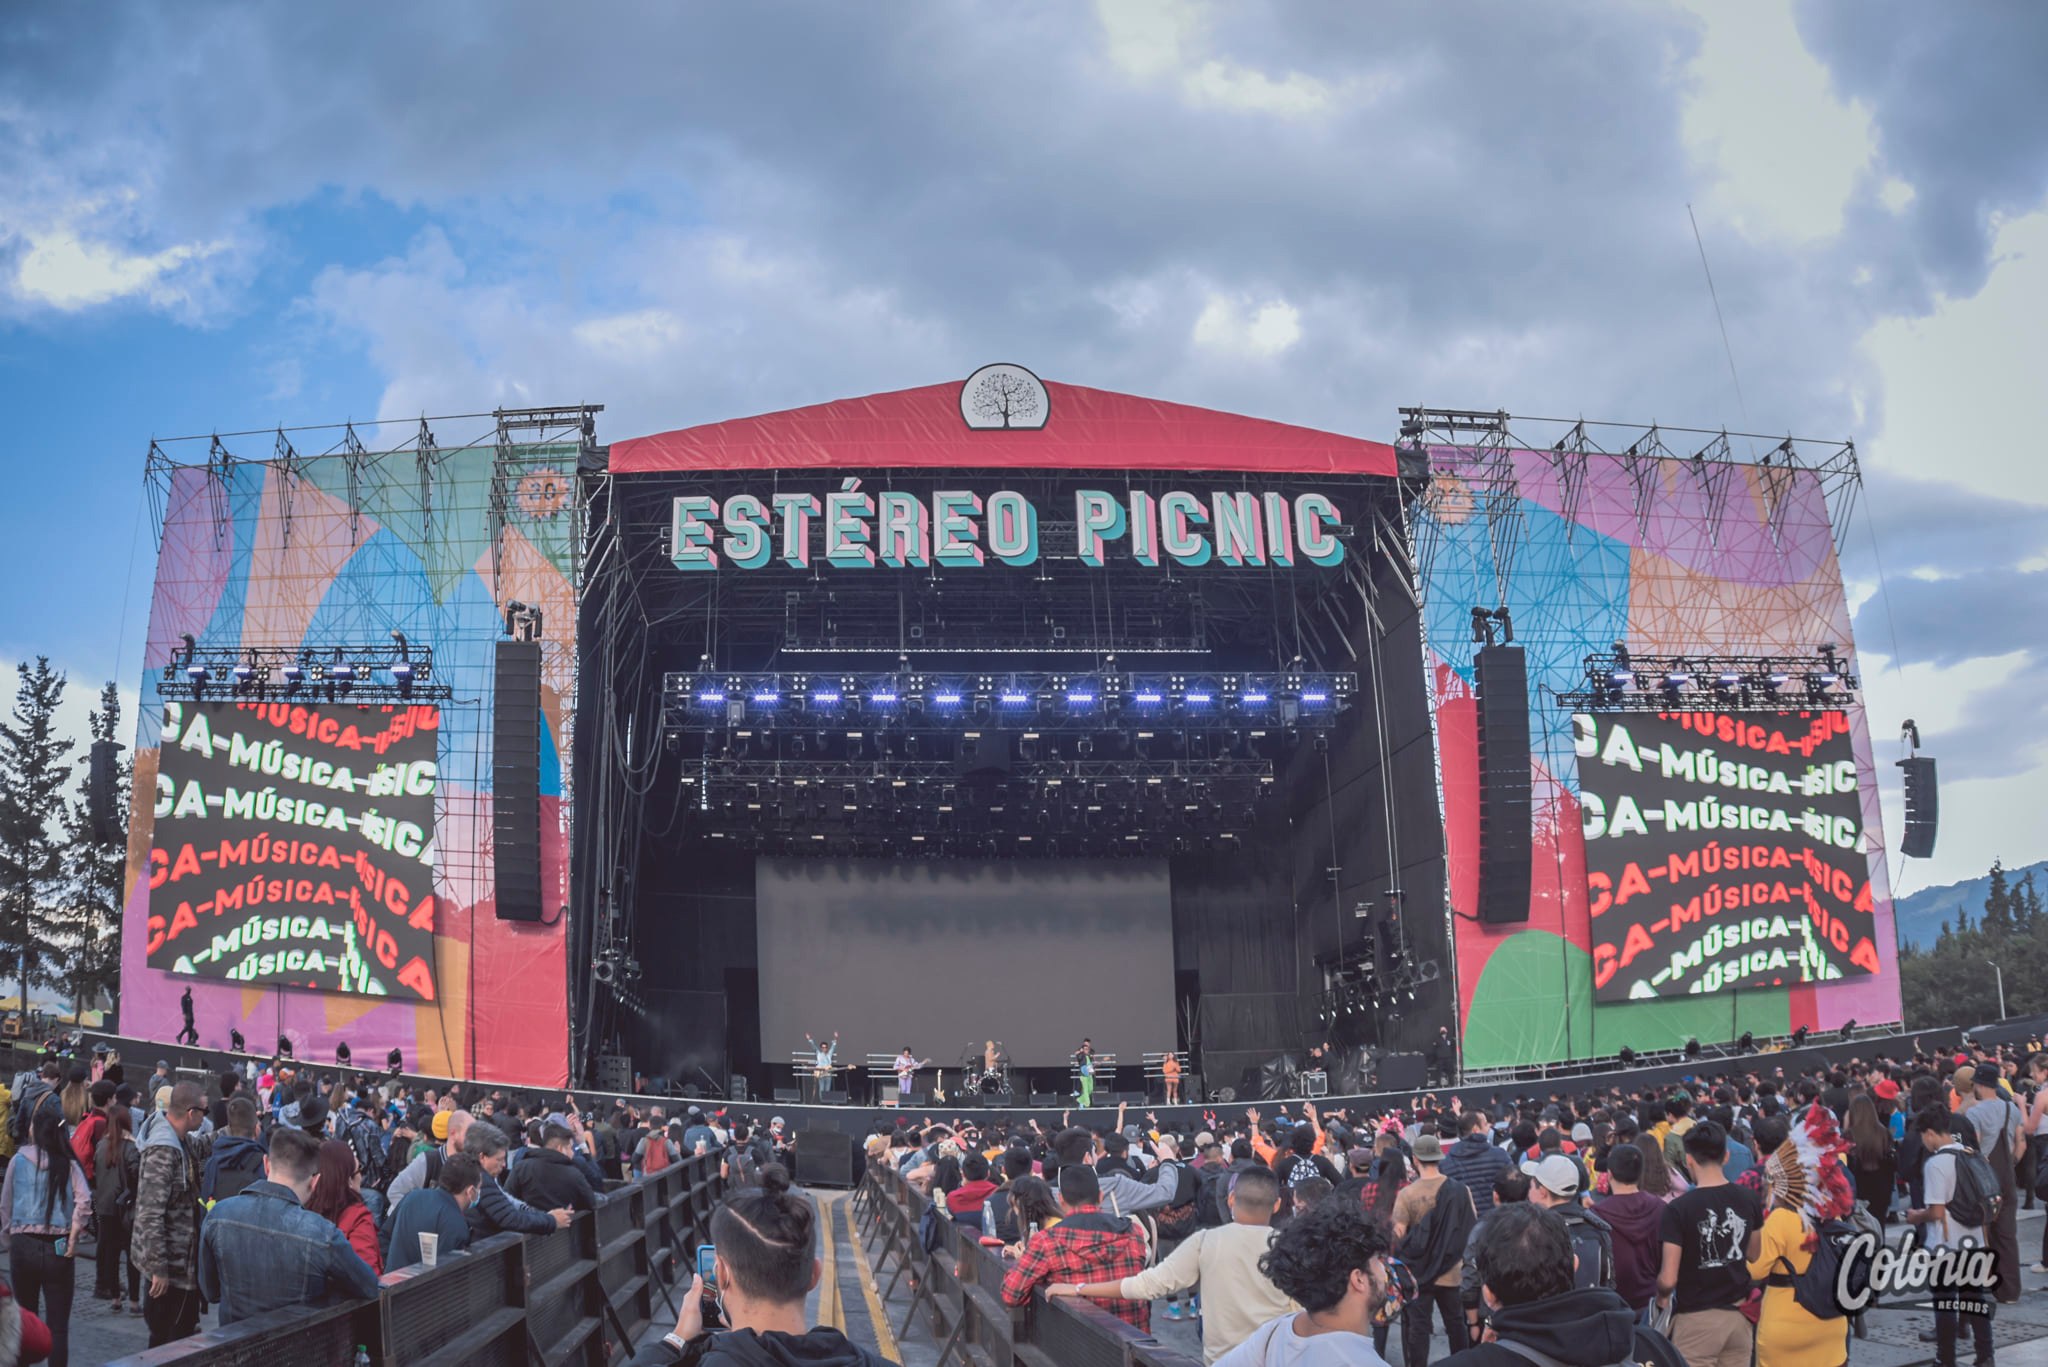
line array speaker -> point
(1500, 677)
(515, 781)
(1923, 807)
(614, 1073)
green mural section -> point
(1534, 1004)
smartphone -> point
(707, 1266)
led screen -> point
(1724, 850)
(294, 844)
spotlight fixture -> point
(341, 1054)
(1799, 1037)
(1748, 1042)
(1627, 1056)
(1692, 1047)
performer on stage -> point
(1084, 1059)
(1169, 1069)
(828, 1055)
(907, 1065)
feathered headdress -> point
(1805, 1173)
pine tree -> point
(1998, 909)
(95, 871)
(33, 776)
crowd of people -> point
(1668, 1226)
(1672, 1226)
(271, 1186)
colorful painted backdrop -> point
(341, 551)
(1670, 557)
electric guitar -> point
(939, 1086)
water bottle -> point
(988, 1217)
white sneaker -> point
(2038, 1267)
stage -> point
(1002, 709)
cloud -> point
(1234, 326)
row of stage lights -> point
(401, 671)
(1370, 994)
(735, 697)
(1625, 681)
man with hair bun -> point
(766, 1262)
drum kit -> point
(980, 1079)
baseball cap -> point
(1358, 1158)
(776, 1120)
(1204, 1139)
(1582, 1133)
(1428, 1148)
(1558, 1174)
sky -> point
(230, 216)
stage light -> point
(1727, 683)
(1255, 697)
(1677, 681)
(198, 676)
(1622, 678)
(1628, 1057)
(1692, 1047)
(711, 697)
(946, 699)
(294, 677)
(341, 1053)
(1748, 1042)
(883, 698)
(1197, 699)
(828, 699)
(1315, 697)
(768, 699)
(1147, 697)
(1080, 699)
(1015, 699)
(401, 674)
(245, 676)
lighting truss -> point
(1064, 702)
(1621, 681)
(395, 671)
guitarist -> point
(907, 1064)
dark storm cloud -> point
(1960, 106)
(1925, 526)
(1490, 212)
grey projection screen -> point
(1036, 953)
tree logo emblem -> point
(1004, 397)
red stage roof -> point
(1088, 429)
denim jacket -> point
(262, 1250)
(25, 1191)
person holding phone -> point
(761, 1263)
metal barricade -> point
(583, 1295)
(959, 1289)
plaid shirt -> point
(1087, 1246)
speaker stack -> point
(1923, 807)
(824, 1158)
(515, 782)
(1500, 677)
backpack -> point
(1814, 1288)
(1595, 1255)
(1180, 1218)
(1976, 1200)
(741, 1168)
(1650, 1349)
(657, 1153)
(1437, 1244)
